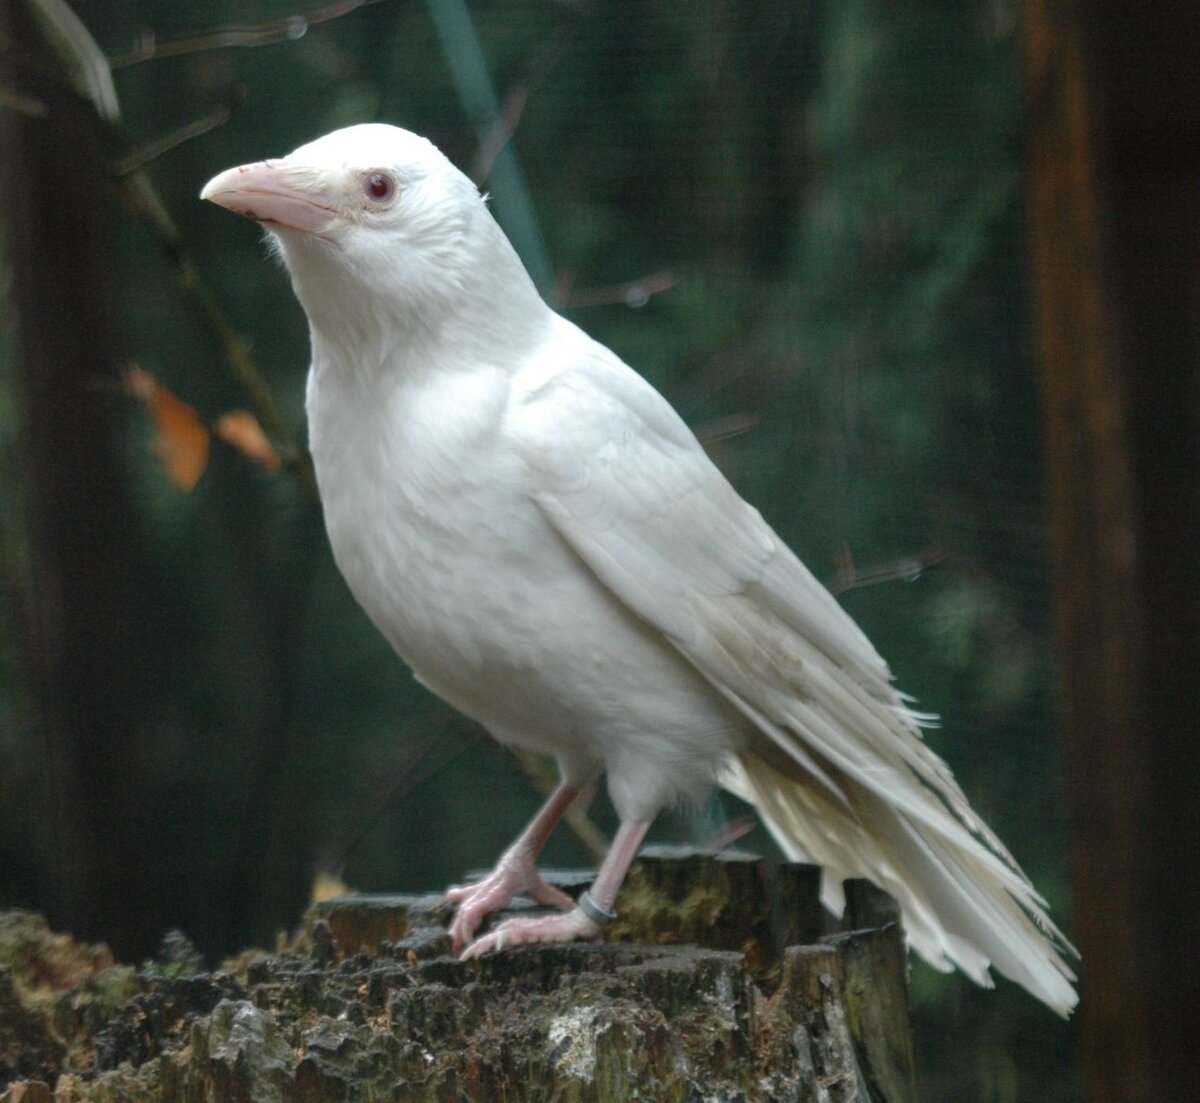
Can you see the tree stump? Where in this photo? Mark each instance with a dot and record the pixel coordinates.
(717, 983)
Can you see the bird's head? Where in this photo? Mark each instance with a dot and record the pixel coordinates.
(371, 220)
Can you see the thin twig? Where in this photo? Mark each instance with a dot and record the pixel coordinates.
(723, 428)
(23, 105)
(287, 29)
(430, 760)
(537, 70)
(635, 293)
(500, 133)
(82, 58)
(80, 54)
(141, 194)
(138, 189)
(729, 834)
(906, 569)
(544, 779)
(425, 762)
(149, 151)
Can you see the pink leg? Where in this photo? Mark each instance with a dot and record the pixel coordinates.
(575, 925)
(514, 873)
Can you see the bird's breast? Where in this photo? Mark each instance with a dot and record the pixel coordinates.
(416, 495)
(431, 523)
(434, 525)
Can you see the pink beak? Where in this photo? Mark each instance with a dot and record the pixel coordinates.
(263, 192)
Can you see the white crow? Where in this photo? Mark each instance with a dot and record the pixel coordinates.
(542, 539)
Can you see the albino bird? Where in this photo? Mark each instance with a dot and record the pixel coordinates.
(545, 543)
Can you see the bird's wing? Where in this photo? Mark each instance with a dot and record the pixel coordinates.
(622, 479)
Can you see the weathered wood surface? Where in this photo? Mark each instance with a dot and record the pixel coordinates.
(714, 986)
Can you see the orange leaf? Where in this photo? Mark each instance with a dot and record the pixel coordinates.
(241, 429)
(181, 439)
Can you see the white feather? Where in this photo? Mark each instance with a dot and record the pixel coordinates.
(837, 766)
(541, 537)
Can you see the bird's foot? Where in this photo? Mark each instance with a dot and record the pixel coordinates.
(574, 926)
(514, 874)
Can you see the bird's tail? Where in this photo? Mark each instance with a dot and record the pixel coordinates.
(961, 906)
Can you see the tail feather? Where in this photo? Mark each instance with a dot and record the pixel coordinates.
(958, 909)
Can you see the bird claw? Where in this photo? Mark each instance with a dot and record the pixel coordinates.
(514, 874)
(573, 926)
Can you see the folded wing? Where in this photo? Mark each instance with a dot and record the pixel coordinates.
(837, 767)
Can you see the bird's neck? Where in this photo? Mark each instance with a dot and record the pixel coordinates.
(491, 313)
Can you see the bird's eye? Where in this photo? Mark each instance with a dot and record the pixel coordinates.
(379, 186)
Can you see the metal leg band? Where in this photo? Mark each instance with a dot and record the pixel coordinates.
(598, 915)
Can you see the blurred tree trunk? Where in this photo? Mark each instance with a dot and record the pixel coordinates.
(1115, 215)
(83, 628)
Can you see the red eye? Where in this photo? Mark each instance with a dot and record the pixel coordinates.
(379, 186)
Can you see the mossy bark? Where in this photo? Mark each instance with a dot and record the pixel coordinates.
(367, 1004)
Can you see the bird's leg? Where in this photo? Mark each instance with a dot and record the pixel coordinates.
(515, 873)
(575, 925)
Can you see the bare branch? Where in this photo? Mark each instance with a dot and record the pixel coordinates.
(83, 59)
(544, 779)
(287, 29)
(729, 834)
(439, 752)
(907, 569)
(516, 99)
(23, 105)
(81, 56)
(500, 133)
(146, 153)
(634, 294)
(423, 762)
(141, 194)
(723, 428)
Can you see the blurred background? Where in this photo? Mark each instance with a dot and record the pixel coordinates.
(808, 223)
